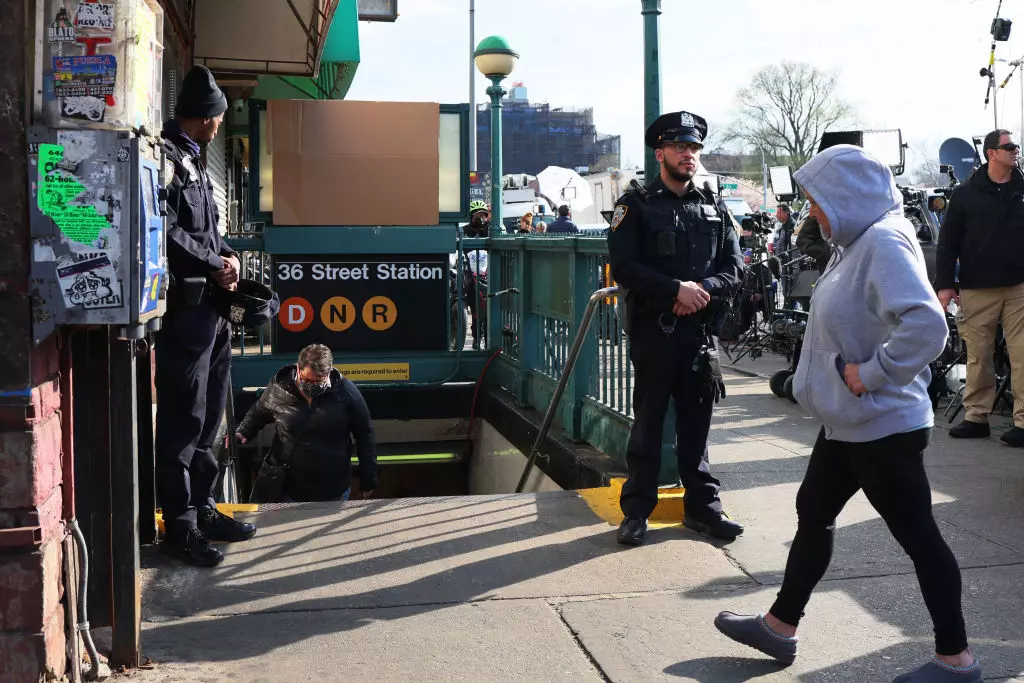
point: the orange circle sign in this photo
(380, 313)
(296, 314)
(338, 314)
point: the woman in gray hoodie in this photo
(874, 327)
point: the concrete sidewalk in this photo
(534, 587)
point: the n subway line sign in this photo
(362, 303)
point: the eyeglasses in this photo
(1009, 147)
(680, 147)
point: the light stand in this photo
(1000, 33)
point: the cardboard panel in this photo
(354, 163)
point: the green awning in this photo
(338, 63)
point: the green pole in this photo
(496, 92)
(652, 80)
(494, 283)
(652, 169)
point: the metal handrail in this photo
(563, 381)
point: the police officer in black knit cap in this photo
(193, 349)
(673, 251)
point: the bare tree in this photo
(785, 110)
(925, 172)
(717, 139)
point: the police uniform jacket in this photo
(658, 239)
(194, 246)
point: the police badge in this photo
(686, 120)
(620, 213)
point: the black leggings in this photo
(891, 472)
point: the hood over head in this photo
(854, 190)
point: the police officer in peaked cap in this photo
(193, 348)
(674, 253)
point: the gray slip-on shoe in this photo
(937, 672)
(753, 632)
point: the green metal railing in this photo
(556, 276)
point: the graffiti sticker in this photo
(89, 284)
(97, 16)
(61, 30)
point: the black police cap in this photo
(678, 126)
(250, 305)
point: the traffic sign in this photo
(730, 186)
(363, 303)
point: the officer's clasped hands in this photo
(227, 277)
(690, 298)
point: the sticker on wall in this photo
(90, 76)
(61, 30)
(91, 109)
(95, 16)
(89, 284)
(57, 194)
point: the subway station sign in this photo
(362, 303)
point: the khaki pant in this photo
(983, 309)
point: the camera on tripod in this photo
(759, 222)
(789, 326)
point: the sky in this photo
(908, 64)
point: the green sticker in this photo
(58, 189)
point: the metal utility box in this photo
(98, 239)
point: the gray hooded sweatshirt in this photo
(873, 305)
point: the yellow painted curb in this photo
(604, 502)
(228, 509)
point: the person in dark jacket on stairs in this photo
(317, 413)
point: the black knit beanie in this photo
(200, 98)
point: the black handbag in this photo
(270, 481)
(269, 484)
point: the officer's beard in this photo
(677, 175)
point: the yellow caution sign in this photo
(374, 372)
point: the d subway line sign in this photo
(362, 303)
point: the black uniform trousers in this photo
(663, 369)
(193, 361)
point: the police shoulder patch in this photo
(620, 213)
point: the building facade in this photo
(536, 136)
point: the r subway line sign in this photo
(362, 303)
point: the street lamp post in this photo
(495, 59)
(652, 80)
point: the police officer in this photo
(193, 349)
(671, 249)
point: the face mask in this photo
(313, 389)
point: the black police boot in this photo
(1014, 436)
(712, 523)
(191, 546)
(632, 531)
(970, 430)
(219, 527)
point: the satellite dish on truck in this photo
(960, 155)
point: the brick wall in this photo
(32, 619)
(32, 633)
